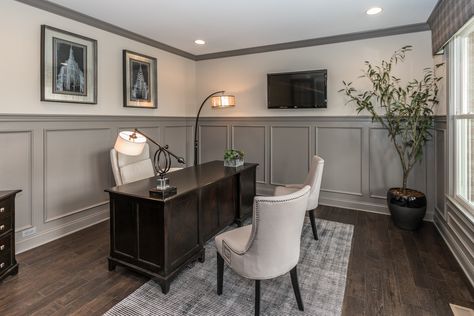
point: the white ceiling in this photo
(228, 25)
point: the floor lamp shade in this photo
(223, 101)
(130, 143)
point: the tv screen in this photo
(303, 89)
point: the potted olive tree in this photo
(405, 110)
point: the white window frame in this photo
(457, 94)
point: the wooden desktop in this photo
(158, 237)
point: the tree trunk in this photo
(405, 180)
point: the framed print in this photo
(139, 80)
(68, 67)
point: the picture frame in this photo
(68, 67)
(139, 80)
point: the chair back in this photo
(313, 179)
(131, 168)
(276, 233)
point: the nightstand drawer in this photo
(8, 264)
(5, 262)
(5, 208)
(5, 244)
(5, 224)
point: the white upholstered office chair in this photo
(268, 248)
(131, 168)
(313, 179)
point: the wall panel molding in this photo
(340, 159)
(24, 198)
(258, 144)
(292, 175)
(69, 178)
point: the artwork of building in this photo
(140, 88)
(70, 77)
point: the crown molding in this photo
(89, 20)
(411, 28)
(94, 22)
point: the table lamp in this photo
(132, 143)
(217, 101)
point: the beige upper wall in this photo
(245, 76)
(183, 83)
(20, 31)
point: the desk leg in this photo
(165, 287)
(202, 256)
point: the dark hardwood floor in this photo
(391, 272)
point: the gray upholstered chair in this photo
(313, 179)
(268, 248)
(131, 168)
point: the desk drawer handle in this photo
(2, 247)
(2, 227)
(2, 265)
(2, 210)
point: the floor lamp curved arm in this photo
(196, 136)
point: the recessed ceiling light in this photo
(374, 10)
(200, 42)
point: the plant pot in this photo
(407, 208)
(234, 163)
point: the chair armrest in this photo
(284, 190)
(294, 186)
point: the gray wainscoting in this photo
(455, 226)
(62, 162)
(360, 162)
(62, 166)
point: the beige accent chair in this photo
(313, 179)
(270, 247)
(131, 168)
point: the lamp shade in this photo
(130, 143)
(223, 101)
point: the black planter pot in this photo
(407, 209)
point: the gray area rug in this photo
(322, 275)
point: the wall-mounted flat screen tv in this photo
(295, 90)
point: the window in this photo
(462, 112)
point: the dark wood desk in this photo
(158, 237)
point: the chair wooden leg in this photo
(296, 288)
(257, 297)
(220, 273)
(313, 224)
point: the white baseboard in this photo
(57, 232)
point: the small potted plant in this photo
(233, 158)
(405, 110)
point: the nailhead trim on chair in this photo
(226, 246)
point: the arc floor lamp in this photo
(217, 101)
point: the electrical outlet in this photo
(28, 232)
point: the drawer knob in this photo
(2, 247)
(2, 227)
(2, 210)
(2, 265)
